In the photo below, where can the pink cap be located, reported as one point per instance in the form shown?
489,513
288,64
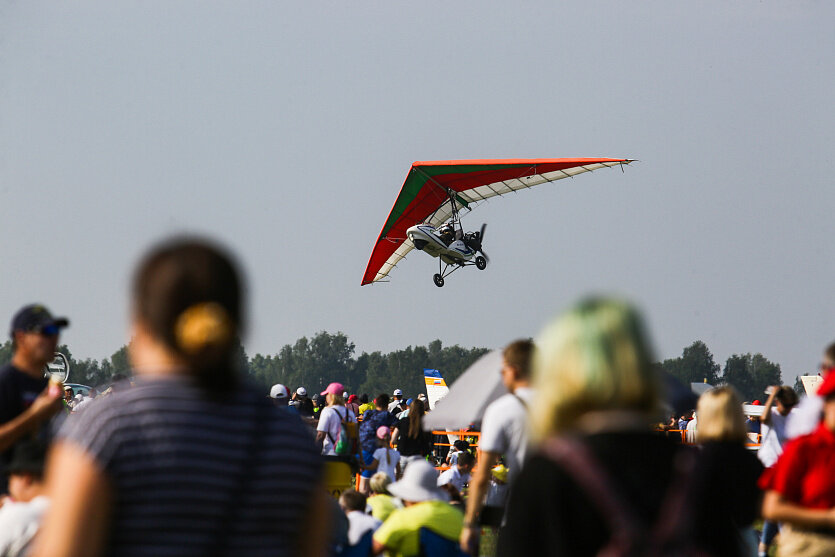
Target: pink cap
334,389
383,432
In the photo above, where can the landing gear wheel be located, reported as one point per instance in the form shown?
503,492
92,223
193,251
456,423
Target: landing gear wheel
480,263
439,280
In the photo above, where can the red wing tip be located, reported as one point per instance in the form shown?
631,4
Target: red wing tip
579,160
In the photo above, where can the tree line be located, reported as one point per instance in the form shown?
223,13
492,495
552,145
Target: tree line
314,362
309,362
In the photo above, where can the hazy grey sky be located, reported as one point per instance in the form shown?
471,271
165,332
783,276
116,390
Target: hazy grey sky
286,129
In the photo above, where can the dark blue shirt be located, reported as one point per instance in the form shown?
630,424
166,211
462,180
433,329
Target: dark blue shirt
18,390
371,421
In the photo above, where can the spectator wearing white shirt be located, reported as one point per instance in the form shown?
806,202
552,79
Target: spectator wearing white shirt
87,400
504,431
385,459
692,430
353,505
806,416
21,513
396,401
783,400
330,419
459,475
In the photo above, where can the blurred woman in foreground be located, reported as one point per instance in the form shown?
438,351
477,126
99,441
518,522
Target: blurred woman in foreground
191,461
601,475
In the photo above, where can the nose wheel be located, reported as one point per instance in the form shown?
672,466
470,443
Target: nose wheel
439,280
480,263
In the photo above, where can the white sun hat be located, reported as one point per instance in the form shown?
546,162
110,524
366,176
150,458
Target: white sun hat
419,483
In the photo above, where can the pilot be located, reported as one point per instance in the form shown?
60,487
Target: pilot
446,232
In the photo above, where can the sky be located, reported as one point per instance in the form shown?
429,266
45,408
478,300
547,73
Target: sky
285,130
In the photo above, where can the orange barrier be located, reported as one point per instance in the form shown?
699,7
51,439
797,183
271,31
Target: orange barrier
458,433
472,437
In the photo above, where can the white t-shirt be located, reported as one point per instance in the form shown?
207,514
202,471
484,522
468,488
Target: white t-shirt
692,432
391,468
805,417
454,477
19,522
330,421
504,429
358,524
773,438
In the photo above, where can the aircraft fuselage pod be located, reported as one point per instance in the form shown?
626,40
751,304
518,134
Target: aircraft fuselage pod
426,239
452,249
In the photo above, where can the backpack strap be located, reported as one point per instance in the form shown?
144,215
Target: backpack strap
671,529
575,459
341,419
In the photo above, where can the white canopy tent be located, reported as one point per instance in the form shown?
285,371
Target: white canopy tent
469,396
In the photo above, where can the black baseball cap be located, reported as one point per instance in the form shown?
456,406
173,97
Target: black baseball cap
28,456
36,318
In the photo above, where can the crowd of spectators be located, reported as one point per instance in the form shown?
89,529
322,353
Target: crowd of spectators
188,458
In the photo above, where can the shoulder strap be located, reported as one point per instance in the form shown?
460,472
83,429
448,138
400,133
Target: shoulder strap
341,419
670,529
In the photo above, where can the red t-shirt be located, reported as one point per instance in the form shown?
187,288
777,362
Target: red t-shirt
805,473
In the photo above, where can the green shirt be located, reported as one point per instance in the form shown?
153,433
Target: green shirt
382,506
400,533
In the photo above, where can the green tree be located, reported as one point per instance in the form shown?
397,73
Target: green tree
798,387
695,365
120,362
327,357
6,353
751,374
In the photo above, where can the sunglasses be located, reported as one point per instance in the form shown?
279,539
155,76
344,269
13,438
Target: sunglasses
47,330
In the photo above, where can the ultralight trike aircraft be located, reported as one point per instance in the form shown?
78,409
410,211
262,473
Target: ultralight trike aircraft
426,217
451,245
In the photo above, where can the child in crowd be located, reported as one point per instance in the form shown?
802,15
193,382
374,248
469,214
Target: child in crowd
458,475
458,447
380,504
353,503
385,459
21,512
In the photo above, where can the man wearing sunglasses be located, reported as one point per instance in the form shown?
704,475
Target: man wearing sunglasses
25,403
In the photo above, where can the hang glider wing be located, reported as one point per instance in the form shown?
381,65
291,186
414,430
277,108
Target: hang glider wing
424,196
